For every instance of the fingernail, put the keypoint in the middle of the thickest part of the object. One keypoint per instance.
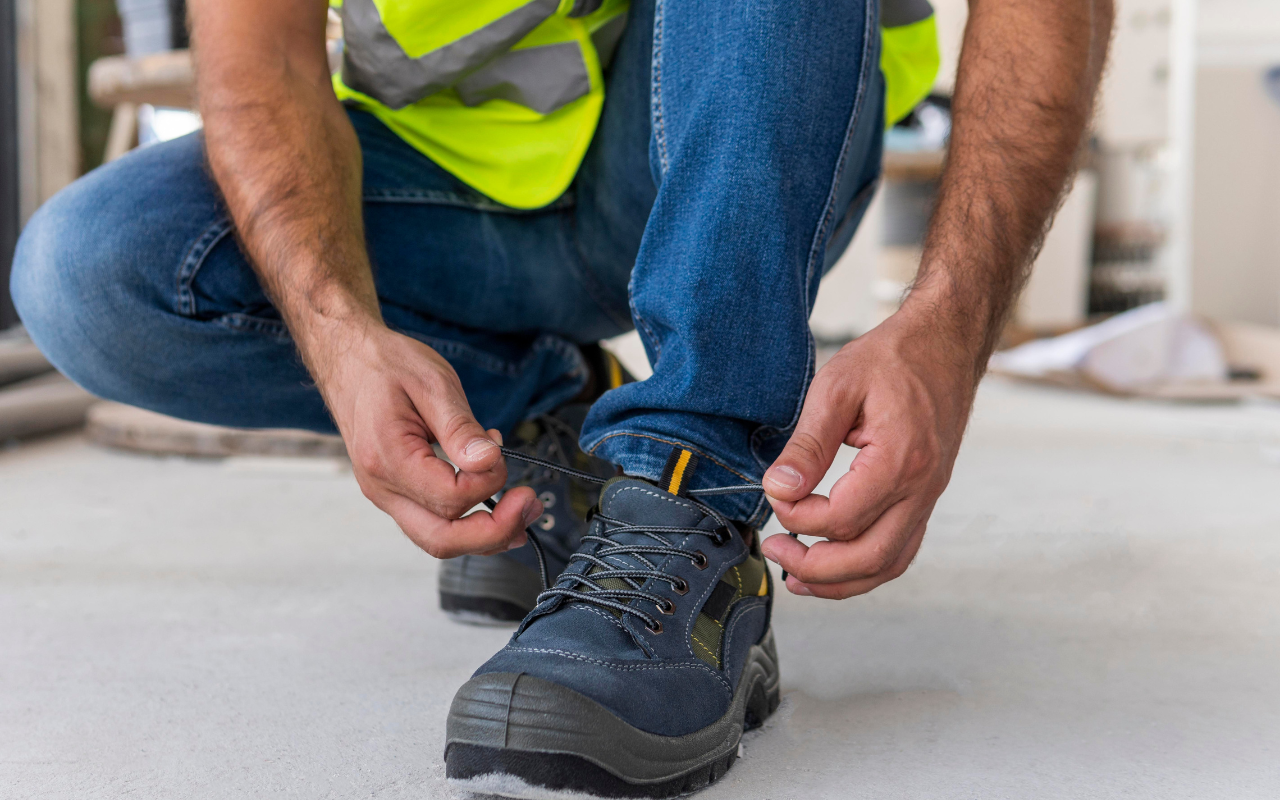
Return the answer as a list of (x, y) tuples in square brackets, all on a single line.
[(476, 447), (531, 511), (770, 556), (800, 590), (518, 544), (785, 476)]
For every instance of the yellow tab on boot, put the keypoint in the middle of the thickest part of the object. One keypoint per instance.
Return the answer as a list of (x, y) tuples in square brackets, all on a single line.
[(680, 466)]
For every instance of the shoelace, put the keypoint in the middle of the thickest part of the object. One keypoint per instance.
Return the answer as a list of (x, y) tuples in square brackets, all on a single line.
[(613, 598)]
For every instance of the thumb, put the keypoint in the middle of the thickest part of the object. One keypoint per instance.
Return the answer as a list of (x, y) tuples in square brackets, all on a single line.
[(467, 444), (825, 421)]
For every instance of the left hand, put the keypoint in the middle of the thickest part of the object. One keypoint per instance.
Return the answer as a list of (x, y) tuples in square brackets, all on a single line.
[(902, 395)]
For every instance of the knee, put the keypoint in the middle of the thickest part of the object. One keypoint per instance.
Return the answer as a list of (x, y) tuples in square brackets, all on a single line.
[(63, 286)]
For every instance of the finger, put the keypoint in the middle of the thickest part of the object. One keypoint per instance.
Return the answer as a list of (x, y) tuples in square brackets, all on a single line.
[(479, 532), (405, 464), (871, 554), (874, 482), (448, 416), (846, 589), (828, 414)]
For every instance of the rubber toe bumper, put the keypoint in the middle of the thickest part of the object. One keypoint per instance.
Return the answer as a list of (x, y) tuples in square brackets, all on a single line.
[(520, 736)]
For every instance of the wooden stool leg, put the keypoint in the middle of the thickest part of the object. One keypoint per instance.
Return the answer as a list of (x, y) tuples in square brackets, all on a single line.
[(124, 131)]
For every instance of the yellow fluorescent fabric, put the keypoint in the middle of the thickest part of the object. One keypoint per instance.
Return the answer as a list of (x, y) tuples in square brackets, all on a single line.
[(909, 59), (507, 151)]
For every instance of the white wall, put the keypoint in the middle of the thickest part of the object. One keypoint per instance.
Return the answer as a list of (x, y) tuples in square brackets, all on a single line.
[(1235, 242)]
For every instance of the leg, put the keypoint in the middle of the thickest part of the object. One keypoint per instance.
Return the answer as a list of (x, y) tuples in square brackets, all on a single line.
[(763, 144), (132, 283)]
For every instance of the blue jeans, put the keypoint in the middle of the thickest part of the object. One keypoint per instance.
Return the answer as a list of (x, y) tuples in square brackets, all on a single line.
[(738, 148)]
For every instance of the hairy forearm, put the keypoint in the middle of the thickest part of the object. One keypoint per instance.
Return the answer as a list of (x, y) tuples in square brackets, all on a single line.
[(1028, 74), (288, 164)]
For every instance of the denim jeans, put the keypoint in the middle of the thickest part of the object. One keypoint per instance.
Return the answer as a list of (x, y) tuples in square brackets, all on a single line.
[(738, 148)]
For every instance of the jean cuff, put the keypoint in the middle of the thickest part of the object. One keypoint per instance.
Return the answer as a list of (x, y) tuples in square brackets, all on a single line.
[(644, 455)]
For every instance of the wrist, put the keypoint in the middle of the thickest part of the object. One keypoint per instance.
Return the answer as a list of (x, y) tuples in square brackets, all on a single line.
[(937, 330), (332, 331), (965, 318)]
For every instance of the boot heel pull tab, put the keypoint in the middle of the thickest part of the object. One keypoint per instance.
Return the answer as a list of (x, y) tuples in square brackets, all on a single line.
[(679, 469)]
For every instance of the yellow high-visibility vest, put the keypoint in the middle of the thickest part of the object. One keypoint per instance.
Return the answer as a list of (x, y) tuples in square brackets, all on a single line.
[(506, 94)]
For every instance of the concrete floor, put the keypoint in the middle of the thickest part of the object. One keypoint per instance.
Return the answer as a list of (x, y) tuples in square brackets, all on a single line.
[(1095, 613)]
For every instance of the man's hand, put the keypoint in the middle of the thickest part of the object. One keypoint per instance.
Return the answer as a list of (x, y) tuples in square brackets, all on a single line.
[(392, 396), (289, 166), (901, 394), (1024, 91)]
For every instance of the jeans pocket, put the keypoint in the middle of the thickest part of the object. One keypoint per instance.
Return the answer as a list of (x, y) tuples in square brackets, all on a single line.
[(215, 283)]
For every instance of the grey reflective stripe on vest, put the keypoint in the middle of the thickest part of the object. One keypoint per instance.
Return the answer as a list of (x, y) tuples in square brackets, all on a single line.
[(542, 78), (374, 63), (581, 8), (896, 13)]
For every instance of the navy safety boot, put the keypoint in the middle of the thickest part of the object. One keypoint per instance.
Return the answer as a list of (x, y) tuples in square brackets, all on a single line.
[(639, 669), (502, 589)]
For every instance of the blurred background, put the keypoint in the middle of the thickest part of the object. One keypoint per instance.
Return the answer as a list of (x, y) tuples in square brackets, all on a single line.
[(1176, 202)]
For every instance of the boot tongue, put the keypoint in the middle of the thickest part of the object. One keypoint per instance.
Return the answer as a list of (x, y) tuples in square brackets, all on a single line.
[(639, 502), (635, 501)]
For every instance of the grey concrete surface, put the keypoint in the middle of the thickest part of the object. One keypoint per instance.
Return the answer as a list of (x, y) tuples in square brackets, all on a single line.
[(1095, 614)]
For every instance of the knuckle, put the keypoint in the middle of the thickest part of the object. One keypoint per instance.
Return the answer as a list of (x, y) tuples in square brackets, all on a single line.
[(370, 465), (446, 507), (453, 425), (918, 463), (843, 531), (880, 559), (832, 392), (807, 445)]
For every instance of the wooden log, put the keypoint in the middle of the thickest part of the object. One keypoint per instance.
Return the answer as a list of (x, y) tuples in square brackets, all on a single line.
[(20, 359), (129, 428), (161, 79), (42, 405)]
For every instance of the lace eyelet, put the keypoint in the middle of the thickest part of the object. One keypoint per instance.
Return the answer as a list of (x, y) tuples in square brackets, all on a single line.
[(666, 607), (700, 560), (548, 499), (547, 522), (681, 587), (656, 630)]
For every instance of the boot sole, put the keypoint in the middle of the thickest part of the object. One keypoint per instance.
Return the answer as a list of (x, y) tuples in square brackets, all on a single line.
[(487, 590), (519, 736)]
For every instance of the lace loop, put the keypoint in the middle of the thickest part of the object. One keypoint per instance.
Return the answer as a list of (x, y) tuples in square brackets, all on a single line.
[(612, 597)]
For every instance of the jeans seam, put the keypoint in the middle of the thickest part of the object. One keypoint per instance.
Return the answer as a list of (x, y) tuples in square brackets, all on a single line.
[(655, 90), (445, 198), (194, 260), (817, 248), (247, 323)]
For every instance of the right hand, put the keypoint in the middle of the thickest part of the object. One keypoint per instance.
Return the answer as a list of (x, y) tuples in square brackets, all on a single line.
[(392, 396)]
